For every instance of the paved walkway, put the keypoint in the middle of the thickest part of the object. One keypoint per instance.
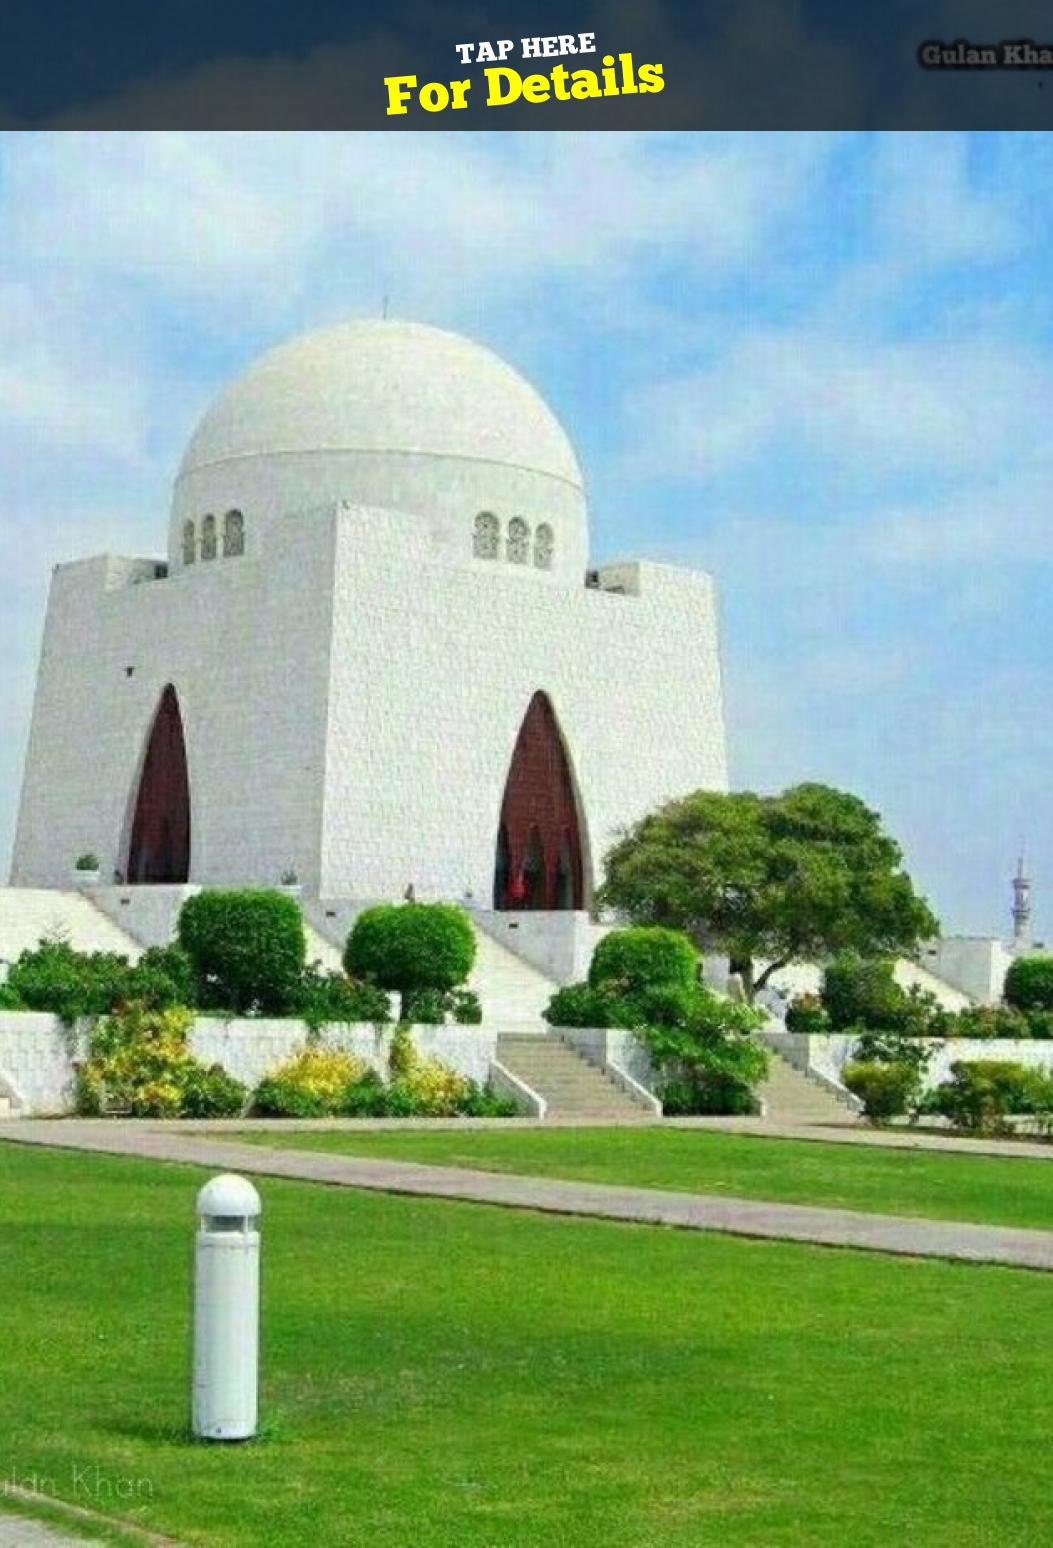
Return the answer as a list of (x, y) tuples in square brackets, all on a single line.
[(21, 1532), (847, 1133), (696, 1212)]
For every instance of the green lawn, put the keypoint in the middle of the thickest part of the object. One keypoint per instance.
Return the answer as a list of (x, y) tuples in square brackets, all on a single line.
[(450, 1374), (896, 1182)]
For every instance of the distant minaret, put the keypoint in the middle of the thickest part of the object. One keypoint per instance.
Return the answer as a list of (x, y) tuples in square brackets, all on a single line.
[(1021, 908)]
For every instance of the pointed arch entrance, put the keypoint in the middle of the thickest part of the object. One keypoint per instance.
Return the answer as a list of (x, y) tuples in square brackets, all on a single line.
[(159, 850), (539, 861)]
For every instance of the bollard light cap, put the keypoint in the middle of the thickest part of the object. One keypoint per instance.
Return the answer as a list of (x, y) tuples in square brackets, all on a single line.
[(229, 1195)]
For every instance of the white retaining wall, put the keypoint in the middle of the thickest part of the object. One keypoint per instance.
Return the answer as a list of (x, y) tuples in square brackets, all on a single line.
[(828, 1055), (37, 1052)]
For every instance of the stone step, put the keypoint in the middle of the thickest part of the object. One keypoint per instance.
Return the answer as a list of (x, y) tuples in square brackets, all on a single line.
[(570, 1085), (790, 1097)]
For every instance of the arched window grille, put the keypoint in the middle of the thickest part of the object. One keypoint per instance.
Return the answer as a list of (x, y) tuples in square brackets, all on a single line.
[(544, 543), (233, 534), (208, 538), (189, 542), (486, 540), (518, 546)]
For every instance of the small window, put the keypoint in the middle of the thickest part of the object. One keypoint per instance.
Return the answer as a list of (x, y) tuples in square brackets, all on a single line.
[(544, 542), (208, 538), (233, 534), (189, 542), (518, 547), (486, 541)]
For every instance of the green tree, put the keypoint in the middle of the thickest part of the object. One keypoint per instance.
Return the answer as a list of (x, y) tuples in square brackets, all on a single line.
[(410, 947), (794, 877), (1029, 983), (247, 947)]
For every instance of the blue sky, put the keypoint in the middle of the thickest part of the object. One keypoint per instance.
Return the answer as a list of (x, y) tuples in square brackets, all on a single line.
[(818, 365)]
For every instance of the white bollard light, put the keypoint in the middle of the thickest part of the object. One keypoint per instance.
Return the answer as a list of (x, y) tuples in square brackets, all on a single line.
[(226, 1310)]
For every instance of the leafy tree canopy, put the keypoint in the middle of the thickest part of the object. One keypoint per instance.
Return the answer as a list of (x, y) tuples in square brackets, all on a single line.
[(794, 877)]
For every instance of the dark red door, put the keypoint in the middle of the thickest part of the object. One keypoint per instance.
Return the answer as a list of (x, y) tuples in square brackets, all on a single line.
[(539, 859), (160, 844)]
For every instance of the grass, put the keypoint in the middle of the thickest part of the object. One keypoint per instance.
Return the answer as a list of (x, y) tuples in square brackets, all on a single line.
[(449, 1375), (932, 1184)]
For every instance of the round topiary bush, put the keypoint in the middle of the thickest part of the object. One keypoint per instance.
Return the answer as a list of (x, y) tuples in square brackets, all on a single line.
[(409, 947), (885, 1090), (644, 957), (248, 950), (1029, 983)]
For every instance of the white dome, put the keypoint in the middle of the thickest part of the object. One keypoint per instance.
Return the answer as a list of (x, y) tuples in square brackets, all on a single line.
[(385, 416), (383, 387)]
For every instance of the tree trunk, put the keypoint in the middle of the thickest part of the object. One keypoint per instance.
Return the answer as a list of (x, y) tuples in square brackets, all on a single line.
[(773, 967), (743, 966)]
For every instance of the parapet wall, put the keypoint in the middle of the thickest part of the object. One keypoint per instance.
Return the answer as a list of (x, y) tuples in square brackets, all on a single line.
[(38, 1052), (828, 1054)]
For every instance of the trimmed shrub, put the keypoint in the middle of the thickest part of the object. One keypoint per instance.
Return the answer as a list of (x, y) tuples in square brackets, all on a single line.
[(982, 1093), (465, 1007), (714, 1096), (436, 1007), (365, 1097), (139, 1062), (53, 977), (579, 1005), (313, 1083), (410, 947), (425, 1007), (161, 971), (211, 1093), (807, 1014), (643, 957), (247, 948), (328, 997), (886, 1090), (1029, 984), (987, 1021), (10, 999)]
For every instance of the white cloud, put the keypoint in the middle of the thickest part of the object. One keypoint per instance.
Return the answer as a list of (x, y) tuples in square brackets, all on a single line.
[(937, 405)]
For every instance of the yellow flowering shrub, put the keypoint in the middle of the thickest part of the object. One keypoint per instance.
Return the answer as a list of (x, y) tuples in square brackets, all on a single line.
[(311, 1084), (139, 1062)]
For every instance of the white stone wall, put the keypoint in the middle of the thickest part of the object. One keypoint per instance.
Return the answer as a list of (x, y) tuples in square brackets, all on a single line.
[(829, 1055), (37, 1052), (149, 914), (351, 702), (245, 642), (976, 965), (36, 1061), (432, 672), (559, 944)]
